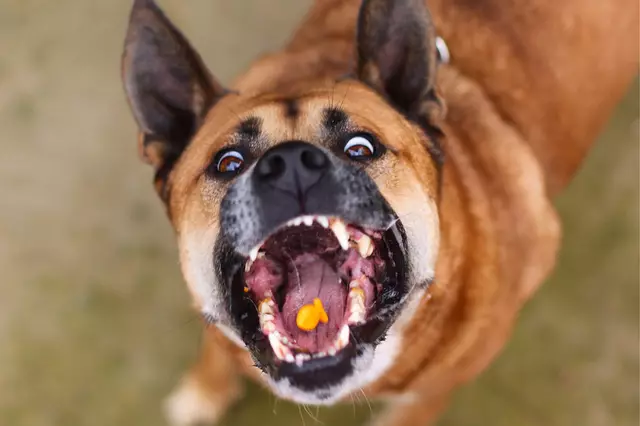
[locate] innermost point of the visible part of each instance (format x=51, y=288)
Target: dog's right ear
x=168, y=87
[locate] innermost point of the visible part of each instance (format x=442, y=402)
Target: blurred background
x=95, y=325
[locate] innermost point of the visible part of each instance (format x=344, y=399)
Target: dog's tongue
x=311, y=277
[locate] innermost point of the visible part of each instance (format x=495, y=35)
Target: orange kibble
x=310, y=315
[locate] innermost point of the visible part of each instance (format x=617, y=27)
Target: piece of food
x=310, y=315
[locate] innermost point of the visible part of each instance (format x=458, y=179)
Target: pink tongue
x=311, y=277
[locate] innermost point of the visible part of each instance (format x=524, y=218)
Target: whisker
x=315, y=419
x=367, y=400
x=301, y=416
x=346, y=92
x=353, y=405
x=333, y=91
x=403, y=216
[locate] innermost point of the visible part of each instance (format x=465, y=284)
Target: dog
x=356, y=214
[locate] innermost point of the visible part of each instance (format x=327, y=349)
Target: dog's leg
x=207, y=390
x=413, y=410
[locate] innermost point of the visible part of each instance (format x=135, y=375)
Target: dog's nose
x=292, y=167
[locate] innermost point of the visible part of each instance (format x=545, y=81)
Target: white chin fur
x=367, y=368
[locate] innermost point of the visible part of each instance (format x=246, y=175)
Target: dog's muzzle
x=307, y=234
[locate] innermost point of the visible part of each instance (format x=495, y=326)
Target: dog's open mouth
x=319, y=283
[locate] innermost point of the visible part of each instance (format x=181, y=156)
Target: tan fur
x=521, y=114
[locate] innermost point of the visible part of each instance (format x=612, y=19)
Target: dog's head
x=318, y=197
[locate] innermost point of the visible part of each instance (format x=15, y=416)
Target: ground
x=95, y=325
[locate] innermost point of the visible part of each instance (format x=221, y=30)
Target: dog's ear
x=397, y=56
x=168, y=87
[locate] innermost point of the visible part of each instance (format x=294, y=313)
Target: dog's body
x=529, y=86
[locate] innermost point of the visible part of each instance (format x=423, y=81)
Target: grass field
x=95, y=326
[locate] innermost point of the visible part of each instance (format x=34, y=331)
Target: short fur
x=530, y=85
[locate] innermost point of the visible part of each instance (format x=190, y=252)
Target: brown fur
x=521, y=115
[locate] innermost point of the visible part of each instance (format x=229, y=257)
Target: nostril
x=271, y=167
x=313, y=159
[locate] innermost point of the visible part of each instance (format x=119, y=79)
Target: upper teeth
x=340, y=231
x=343, y=337
x=254, y=253
x=323, y=221
x=365, y=246
x=309, y=220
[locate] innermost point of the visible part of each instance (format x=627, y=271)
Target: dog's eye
x=230, y=162
x=359, y=147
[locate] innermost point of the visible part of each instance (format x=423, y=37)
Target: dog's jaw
x=373, y=362
x=367, y=368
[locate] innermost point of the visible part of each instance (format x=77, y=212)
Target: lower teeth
x=280, y=346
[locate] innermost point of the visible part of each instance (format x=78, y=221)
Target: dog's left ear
x=397, y=54
x=168, y=87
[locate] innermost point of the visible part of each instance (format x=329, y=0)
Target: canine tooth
x=365, y=246
x=343, y=337
x=340, y=231
x=323, y=221
x=253, y=254
x=281, y=351
x=356, y=306
x=332, y=351
x=297, y=221
x=278, y=348
x=307, y=220
x=355, y=318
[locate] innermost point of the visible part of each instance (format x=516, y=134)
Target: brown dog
x=333, y=171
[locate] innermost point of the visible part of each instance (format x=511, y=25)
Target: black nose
x=292, y=167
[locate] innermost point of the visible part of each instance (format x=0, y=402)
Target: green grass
x=95, y=326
